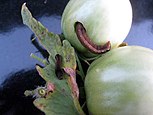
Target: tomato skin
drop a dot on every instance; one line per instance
(104, 20)
(121, 82)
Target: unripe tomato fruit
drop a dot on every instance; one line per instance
(121, 82)
(104, 20)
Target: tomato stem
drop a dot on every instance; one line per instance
(80, 72)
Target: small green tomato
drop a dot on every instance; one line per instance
(121, 82)
(103, 21)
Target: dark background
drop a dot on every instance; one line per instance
(17, 71)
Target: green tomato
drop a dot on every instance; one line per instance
(121, 82)
(104, 20)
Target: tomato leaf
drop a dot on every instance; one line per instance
(58, 96)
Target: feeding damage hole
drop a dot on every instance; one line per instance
(58, 69)
(86, 41)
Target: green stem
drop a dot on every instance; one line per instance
(39, 59)
(80, 72)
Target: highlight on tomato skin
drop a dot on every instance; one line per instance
(120, 82)
(104, 20)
